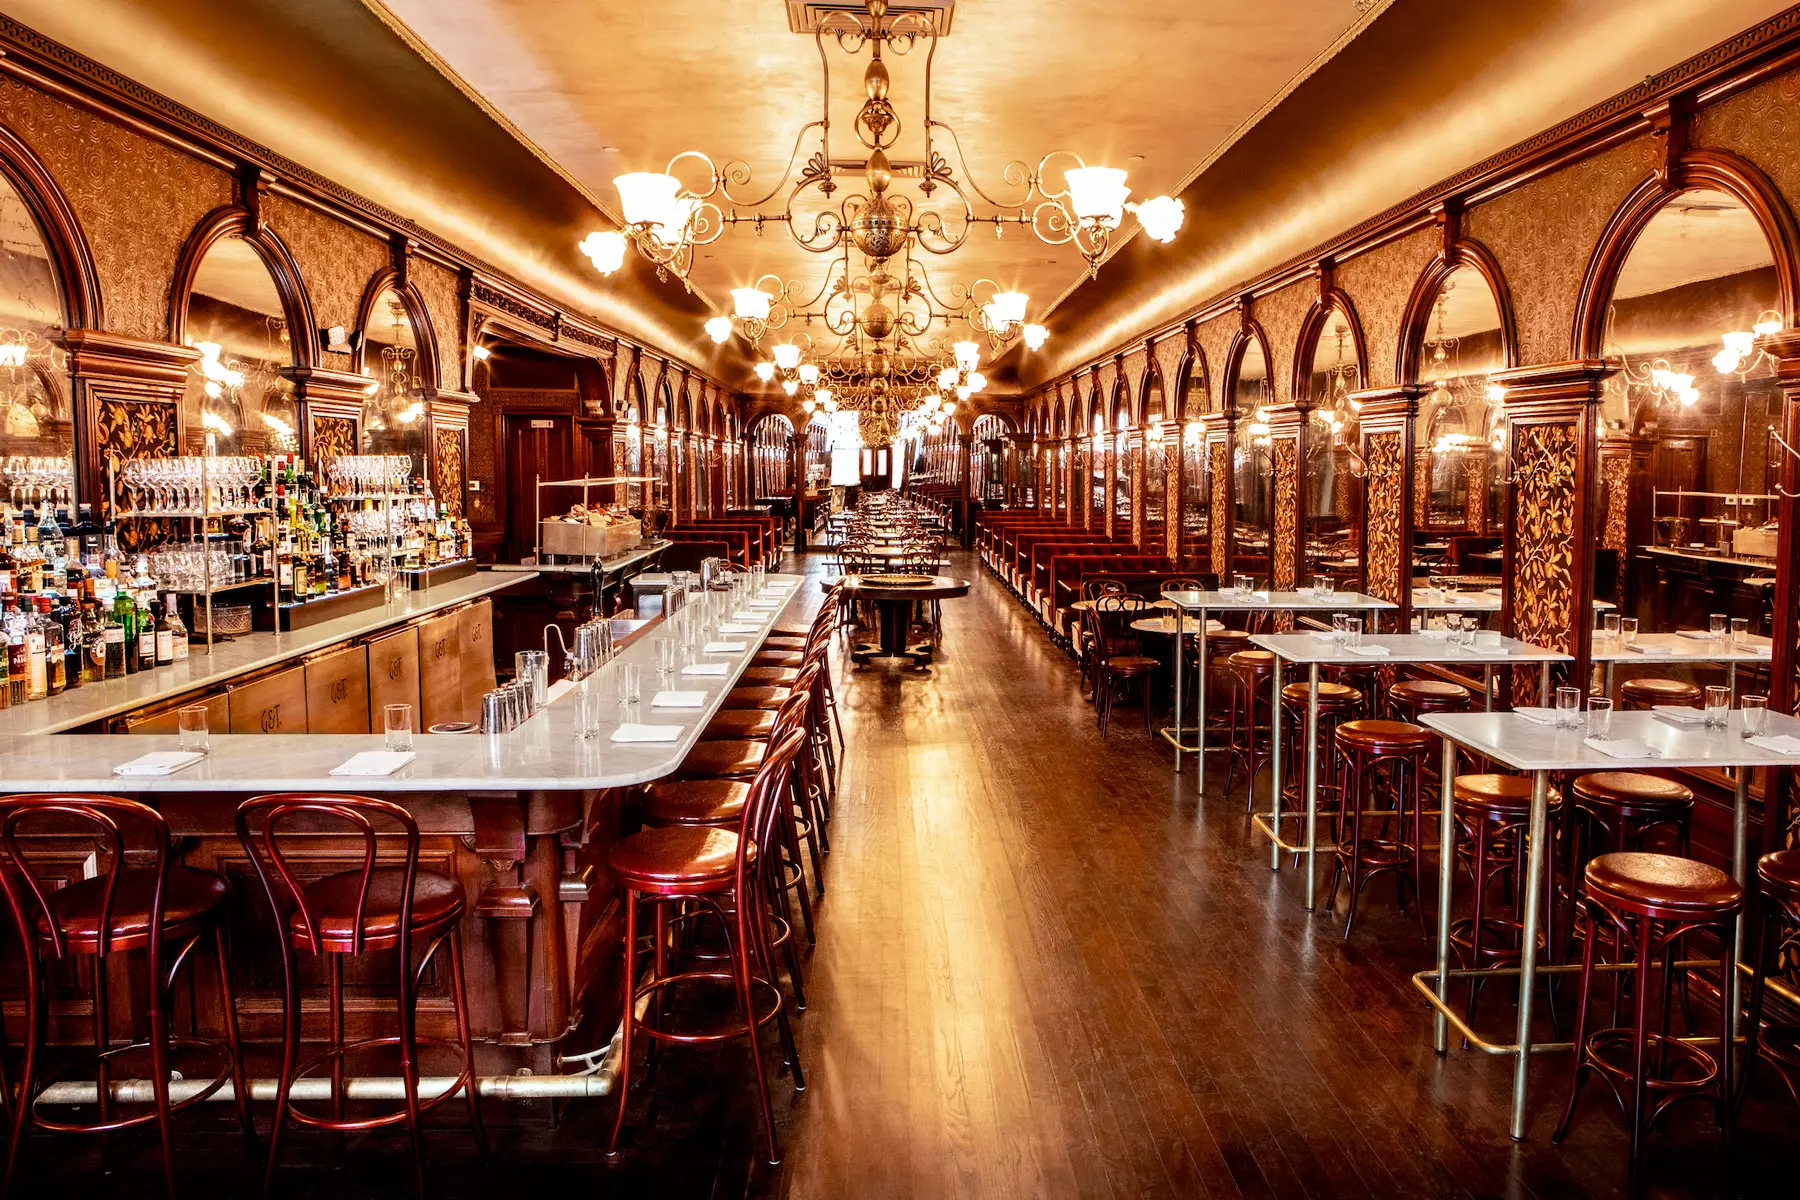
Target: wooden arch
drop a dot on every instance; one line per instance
(1248, 332)
(1193, 360)
(1463, 252)
(1313, 328)
(417, 312)
(71, 259)
(236, 221)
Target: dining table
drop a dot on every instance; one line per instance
(1691, 646)
(894, 597)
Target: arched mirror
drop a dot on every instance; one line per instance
(660, 419)
(1331, 484)
(990, 455)
(1689, 461)
(1459, 496)
(1124, 448)
(1196, 471)
(1156, 467)
(235, 402)
(393, 417)
(1099, 450)
(771, 459)
(37, 424)
(1253, 471)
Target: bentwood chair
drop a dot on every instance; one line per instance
(1115, 660)
(383, 904)
(136, 901)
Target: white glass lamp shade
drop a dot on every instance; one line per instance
(964, 392)
(809, 373)
(718, 328)
(649, 198)
(977, 381)
(765, 371)
(1035, 336)
(1161, 217)
(808, 404)
(947, 377)
(787, 356)
(790, 386)
(750, 304)
(1097, 194)
(968, 355)
(949, 408)
(823, 396)
(1006, 309)
(673, 229)
(605, 249)
(933, 402)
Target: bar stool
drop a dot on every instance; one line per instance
(144, 904)
(1337, 703)
(1251, 671)
(1628, 807)
(392, 905)
(1411, 699)
(1492, 812)
(1644, 693)
(1778, 927)
(1363, 748)
(719, 869)
(1650, 902)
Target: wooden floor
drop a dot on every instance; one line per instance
(1046, 969)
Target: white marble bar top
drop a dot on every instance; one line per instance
(543, 754)
(1403, 648)
(1303, 600)
(607, 566)
(1528, 746)
(252, 652)
(1483, 601)
(1672, 647)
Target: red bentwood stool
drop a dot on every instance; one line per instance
(390, 905)
(146, 904)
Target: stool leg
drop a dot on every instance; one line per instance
(102, 1066)
(1727, 972)
(1479, 861)
(631, 936)
(409, 1063)
(463, 1035)
(1753, 1023)
(290, 1055)
(337, 1060)
(159, 1065)
(1640, 1065)
(240, 1086)
(741, 954)
(34, 1034)
(1581, 1024)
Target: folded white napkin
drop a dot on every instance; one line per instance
(1699, 635)
(724, 648)
(1368, 650)
(678, 700)
(1679, 714)
(647, 733)
(735, 628)
(1761, 651)
(1780, 743)
(1324, 635)
(1437, 635)
(159, 762)
(1536, 715)
(1621, 748)
(764, 605)
(705, 669)
(753, 619)
(1642, 648)
(374, 762)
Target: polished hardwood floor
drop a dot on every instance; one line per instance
(1046, 968)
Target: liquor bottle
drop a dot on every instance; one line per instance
(146, 632)
(8, 568)
(93, 646)
(74, 644)
(125, 615)
(54, 657)
(112, 639)
(37, 680)
(300, 586)
(18, 662)
(165, 635)
(178, 634)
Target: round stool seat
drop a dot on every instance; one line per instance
(695, 802)
(756, 697)
(1652, 690)
(1498, 795)
(754, 724)
(1383, 737)
(771, 676)
(189, 895)
(1632, 792)
(1779, 874)
(1429, 695)
(1662, 885)
(783, 631)
(776, 642)
(723, 759)
(674, 859)
(778, 658)
(335, 900)
(1129, 664)
(1254, 662)
(1333, 697)
(1226, 642)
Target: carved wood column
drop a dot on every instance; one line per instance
(447, 431)
(1287, 433)
(1174, 451)
(1387, 427)
(125, 394)
(1218, 434)
(1138, 453)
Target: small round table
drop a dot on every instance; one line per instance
(893, 603)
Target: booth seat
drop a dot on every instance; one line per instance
(1070, 569)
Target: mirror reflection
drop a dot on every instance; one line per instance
(1196, 476)
(37, 428)
(235, 402)
(1331, 491)
(1156, 479)
(1253, 482)
(394, 420)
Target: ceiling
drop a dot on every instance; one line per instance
(601, 87)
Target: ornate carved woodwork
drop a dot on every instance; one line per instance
(1384, 569)
(332, 437)
(1286, 548)
(1219, 452)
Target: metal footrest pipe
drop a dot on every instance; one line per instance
(371, 1087)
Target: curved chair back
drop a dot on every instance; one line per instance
(1113, 616)
(108, 818)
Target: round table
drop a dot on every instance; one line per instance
(1165, 626)
(1088, 605)
(893, 604)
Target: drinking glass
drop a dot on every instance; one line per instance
(1568, 707)
(1353, 632)
(1453, 623)
(667, 654)
(1628, 629)
(1448, 586)
(1740, 633)
(533, 668)
(588, 703)
(626, 684)
(1756, 715)
(1338, 626)
(191, 721)
(396, 722)
(1599, 718)
(1718, 706)
(1716, 624)
(1327, 585)
(1610, 625)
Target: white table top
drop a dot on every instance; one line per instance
(1403, 648)
(1676, 648)
(1482, 600)
(1527, 746)
(1296, 601)
(543, 754)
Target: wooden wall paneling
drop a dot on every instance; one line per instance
(125, 393)
(476, 630)
(218, 716)
(394, 674)
(337, 691)
(1387, 451)
(440, 670)
(272, 704)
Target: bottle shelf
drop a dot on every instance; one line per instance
(133, 514)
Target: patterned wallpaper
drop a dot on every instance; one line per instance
(1615, 491)
(449, 476)
(1168, 353)
(137, 201)
(439, 288)
(1763, 125)
(1379, 283)
(335, 260)
(1287, 510)
(1544, 458)
(332, 437)
(1386, 483)
(130, 429)
(1136, 362)
(1214, 338)
(1281, 314)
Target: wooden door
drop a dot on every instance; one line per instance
(537, 447)
(1680, 464)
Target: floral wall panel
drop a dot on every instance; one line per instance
(1287, 511)
(1386, 484)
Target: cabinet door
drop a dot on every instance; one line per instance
(440, 669)
(218, 717)
(477, 655)
(337, 692)
(273, 704)
(394, 674)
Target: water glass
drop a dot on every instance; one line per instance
(1628, 629)
(1326, 585)
(1599, 718)
(396, 723)
(626, 685)
(533, 667)
(1740, 633)
(1716, 624)
(1756, 715)
(1718, 706)
(1243, 583)
(1568, 707)
(588, 703)
(1352, 632)
(1339, 626)
(191, 721)
(667, 654)
(1447, 585)
(1610, 624)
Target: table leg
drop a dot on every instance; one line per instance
(1179, 647)
(1275, 767)
(1544, 685)
(1731, 680)
(1446, 879)
(1740, 871)
(1528, 934)
(1609, 680)
(1312, 782)
(1199, 709)
(1487, 686)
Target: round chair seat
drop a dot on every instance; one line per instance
(1659, 885)
(1333, 697)
(333, 902)
(1429, 695)
(1632, 792)
(1779, 874)
(755, 724)
(781, 631)
(188, 896)
(1651, 690)
(674, 859)
(778, 658)
(1498, 795)
(1131, 664)
(695, 802)
(723, 759)
(1383, 737)
(776, 641)
(771, 676)
(756, 697)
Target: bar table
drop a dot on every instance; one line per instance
(1681, 648)
(1525, 745)
(1319, 649)
(1234, 600)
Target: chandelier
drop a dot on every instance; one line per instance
(1455, 403)
(665, 216)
